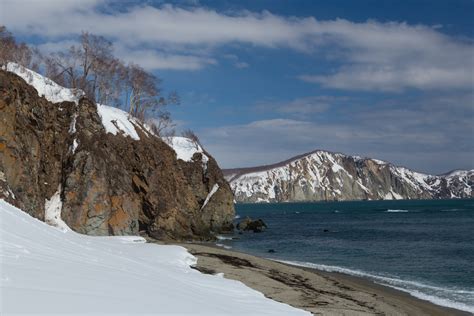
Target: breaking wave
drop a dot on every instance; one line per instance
(461, 299)
(219, 237)
(397, 211)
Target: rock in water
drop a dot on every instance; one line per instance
(113, 176)
(248, 224)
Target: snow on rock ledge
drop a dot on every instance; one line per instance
(185, 149)
(117, 121)
(46, 87)
(52, 211)
(47, 271)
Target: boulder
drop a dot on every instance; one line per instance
(248, 224)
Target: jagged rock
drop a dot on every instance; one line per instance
(248, 224)
(326, 176)
(109, 184)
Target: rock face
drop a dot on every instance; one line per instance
(114, 176)
(326, 176)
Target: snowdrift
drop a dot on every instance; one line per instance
(48, 270)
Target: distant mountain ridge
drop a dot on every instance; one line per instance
(327, 176)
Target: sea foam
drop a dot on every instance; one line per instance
(417, 289)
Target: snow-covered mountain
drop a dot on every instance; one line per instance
(327, 176)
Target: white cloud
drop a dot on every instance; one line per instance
(372, 55)
(152, 59)
(299, 107)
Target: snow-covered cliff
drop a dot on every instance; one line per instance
(107, 172)
(327, 176)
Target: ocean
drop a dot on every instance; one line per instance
(423, 247)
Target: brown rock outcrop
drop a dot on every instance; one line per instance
(110, 184)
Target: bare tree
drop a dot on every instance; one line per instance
(12, 51)
(63, 68)
(86, 66)
(91, 66)
(163, 125)
(192, 136)
(144, 92)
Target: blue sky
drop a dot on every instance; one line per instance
(261, 81)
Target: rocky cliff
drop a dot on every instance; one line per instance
(326, 176)
(64, 158)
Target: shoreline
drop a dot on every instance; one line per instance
(316, 291)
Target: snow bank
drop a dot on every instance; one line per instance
(117, 121)
(45, 270)
(46, 87)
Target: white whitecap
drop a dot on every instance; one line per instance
(219, 237)
(224, 246)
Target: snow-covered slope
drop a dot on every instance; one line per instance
(46, 87)
(45, 270)
(117, 121)
(114, 120)
(323, 175)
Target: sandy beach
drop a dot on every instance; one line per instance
(319, 292)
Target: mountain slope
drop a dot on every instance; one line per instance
(107, 172)
(327, 176)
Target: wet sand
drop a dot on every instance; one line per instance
(319, 292)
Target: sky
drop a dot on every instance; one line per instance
(262, 81)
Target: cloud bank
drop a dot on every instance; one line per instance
(371, 56)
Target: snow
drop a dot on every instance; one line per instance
(52, 211)
(392, 196)
(46, 87)
(211, 193)
(74, 145)
(185, 149)
(116, 121)
(336, 168)
(47, 271)
(72, 131)
(458, 173)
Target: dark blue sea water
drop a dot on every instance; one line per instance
(423, 247)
